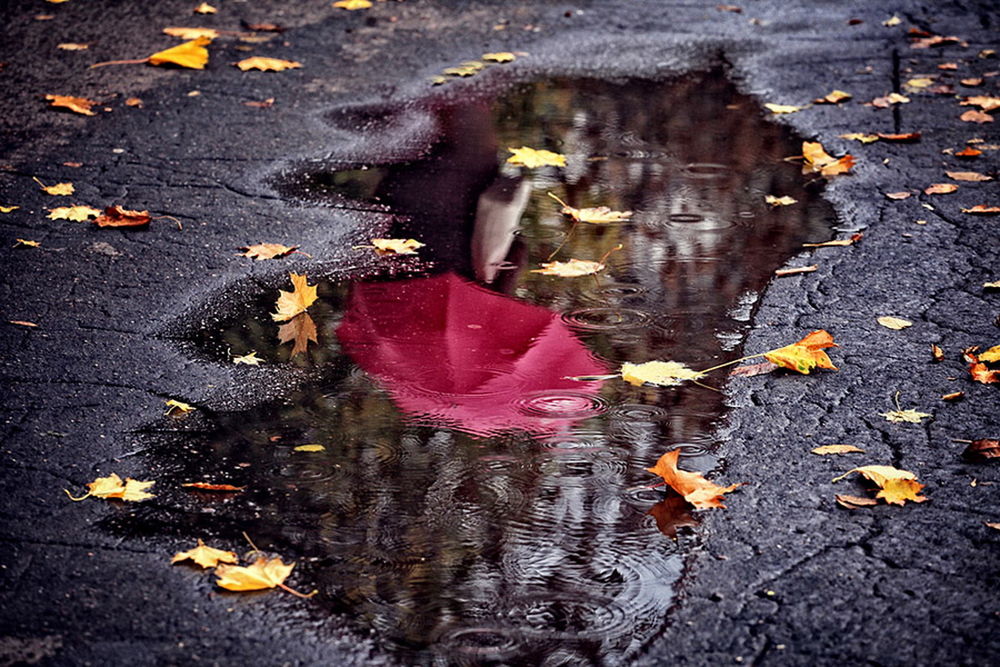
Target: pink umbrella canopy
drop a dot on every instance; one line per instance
(451, 352)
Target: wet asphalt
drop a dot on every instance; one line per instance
(783, 576)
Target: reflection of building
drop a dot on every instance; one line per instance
(519, 547)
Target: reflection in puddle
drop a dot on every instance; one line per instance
(471, 503)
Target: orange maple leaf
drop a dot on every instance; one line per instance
(805, 354)
(817, 160)
(695, 489)
(116, 216)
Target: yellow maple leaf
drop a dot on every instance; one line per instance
(901, 415)
(263, 573)
(661, 373)
(898, 491)
(532, 158)
(301, 329)
(771, 200)
(878, 474)
(896, 323)
(297, 301)
(573, 268)
(250, 359)
(80, 105)
(599, 215)
(806, 354)
(205, 8)
(75, 213)
(396, 246)
(918, 83)
(267, 64)
(59, 189)
(782, 108)
(8, 209)
(192, 55)
(695, 489)
(192, 33)
(262, 251)
(817, 160)
(833, 97)
(309, 448)
(176, 408)
(352, 5)
(113, 487)
(499, 57)
(990, 355)
(461, 71)
(826, 450)
(205, 556)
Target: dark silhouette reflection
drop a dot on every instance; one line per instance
(471, 504)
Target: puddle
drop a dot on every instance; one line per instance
(471, 504)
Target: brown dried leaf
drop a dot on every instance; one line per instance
(937, 40)
(753, 369)
(301, 329)
(982, 209)
(903, 138)
(953, 396)
(982, 451)
(206, 486)
(984, 102)
(116, 216)
(826, 450)
(940, 189)
(968, 151)
(973, 116)
(854, 238)
(897, 195)
(968, 176)
(854, 502)
(80, 105)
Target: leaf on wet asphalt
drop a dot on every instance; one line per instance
(771, 200)
(57, 190)
(533, 158)
(854, 502)
(301, 330)
(396, 246)
(863, 138)
(22, 323)
(854, 238)
(263, 573)
(8, 209)
(751, 370)
(896, 323)
(899, 137)
(896, 486)
(833, 97)
(573, 268)
(250, 359)
(695, 489)
(886, 101)
(352, 5)
(826, 450)
(796, 270)
(940, 189)
(982, 209)
(967, 152)
(207, 486)
(953, 396)
(817, 160)
(267, 64)
(262, 251)
(982, 451)
(968, 176)
(978, 369)
(72, 46)
(984, 102)
(113, 487)
(805, 354)
(975, 116)
(897, 195)
(498, 57)
(192, 33)
(783, 108)
(192, 55)
(177, 408)
(892, 21)
(80, 105)
(205, 8)
(25, 243)
(991, 355)
(74, 213)
(937, 40)
(205, 556)
(671, 513)
(297, 301)
(937, 354)
(660, 373)
(910, 416)
(116, 216)
(919, 83)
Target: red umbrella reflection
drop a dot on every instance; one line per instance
(449, 351)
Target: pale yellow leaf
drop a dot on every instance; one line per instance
(826, 450)
(205, 556)
(396, 246)
(8, 209)
(74, 213)
(662, 373)
(192, 55)
(910, 416)
(205, 8)
(896, 323)
(771, 200)
(532, 158)
(572, 268)
(352, 5)
(857, 136)
(175, 407)
(263, 573)
(499, 57)
(991, 355)
(968, 176)
(250, 359)
(192, 33)
(267, 64)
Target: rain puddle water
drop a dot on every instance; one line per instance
(471, 504)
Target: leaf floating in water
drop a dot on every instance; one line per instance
(695, 489)
(205, 556)
(396, 246)
(297, 301)
(533, 158)
(771, 200)
(660, 373)
(301, 330)
(573, 268)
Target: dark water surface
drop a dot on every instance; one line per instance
(471, 503)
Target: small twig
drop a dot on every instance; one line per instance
(294, 592)
(170, 217)
(250, 542)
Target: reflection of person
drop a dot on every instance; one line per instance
(498, 214)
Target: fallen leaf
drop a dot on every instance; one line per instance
(309, 448)
(205, 556)
(863, 138)
(297, 301)
(890, 22)
(973, 116)
(940, 189)
(994, 526)
(498, 57)
(982, 451)
(953, 396)
(972, 82)
(192, 55)
(461, 71)
(796, 270)
(805, 354)
(980, 209)
(991, 355)
(22, 323)
(267, 64)
(573, 268)
(262, 251)
(671, 513)
(301, 329)
(897, 195)
(57, 190)
(968, 176)
(264, 573)
(896, 323)
(937, 353)
(192, 33)
(26, 243)
(116, 216)
(8, 209)
(532, 158)
(72, 46)
(877, 474)
(937, 40)
(898, 491)
(948, 66)
(396, 246)
(982, 373)
(263, 27)
(984, 102)
(205, 8)
(250, 359)
(854, 502)
(771, 200)
(661, 373)
(133, 102)
(968, 151)
(263, 104)
(112, 486)
(818, 161)
(74, 213)
(826, 450)
(854, 238)
(695, 489)
(900, 138)
(782, 108)
(352, 5)
(992, 285)
(206, 486)
(886, 101)
(176, 408)
(918, 83)
(730, 8)
(911, 416)
(833, 97)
